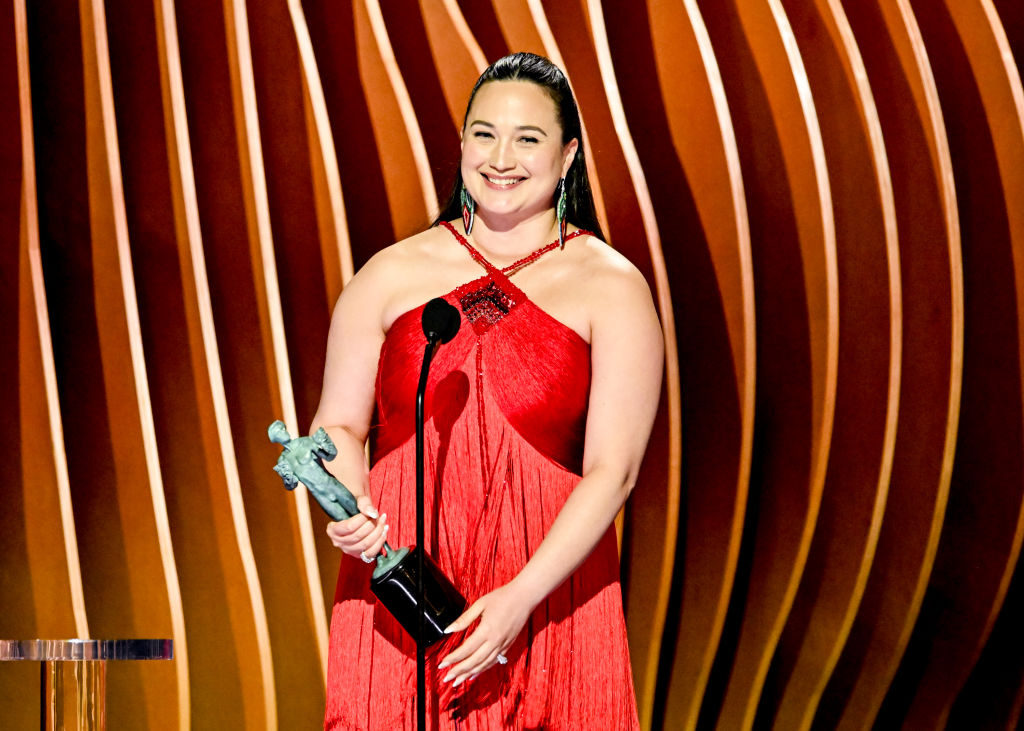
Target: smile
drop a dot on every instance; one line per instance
(502, 182)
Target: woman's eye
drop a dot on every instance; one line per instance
(528, 140)
(482, 135)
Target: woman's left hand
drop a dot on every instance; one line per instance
(502, 615)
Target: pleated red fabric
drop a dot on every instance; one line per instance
(506, 407)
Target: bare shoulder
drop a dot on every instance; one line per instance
(406, 274)
(627, 340)
(407, 254)
(608, 275)
(390, 268)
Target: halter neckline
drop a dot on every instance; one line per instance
(516, 265)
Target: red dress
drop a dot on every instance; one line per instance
(506, 407)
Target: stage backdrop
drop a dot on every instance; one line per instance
(826, 196)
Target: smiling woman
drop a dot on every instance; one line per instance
(508, 167)
(538, 415)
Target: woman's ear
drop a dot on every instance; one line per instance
(569, 154)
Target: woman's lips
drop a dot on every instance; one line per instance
(501, 182)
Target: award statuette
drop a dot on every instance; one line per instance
(394, 576)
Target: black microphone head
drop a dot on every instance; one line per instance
(440, 320)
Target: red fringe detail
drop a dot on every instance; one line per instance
(504, 446)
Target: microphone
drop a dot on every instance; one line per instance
(441, 321)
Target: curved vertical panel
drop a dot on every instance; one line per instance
(202, 327)
(406, 36)
(268, 295)
(335, 49)
(278, 105)
(129, 576)
(1011, 17)
(907, 103)
(333, 226)
(400, 143)
(291, 197)
(460, 62)
(867, 391)
(16, 300)
(58, 602)
(335, 245)
(793, 243)
(235, 227)
(483, 23)
(675, 104)
(983, 103)
(120, 336)
(230, 669)
(40, 577)
(518, 27)
(932, 338)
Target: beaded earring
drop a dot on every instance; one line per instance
(560, 213)
(468, 209)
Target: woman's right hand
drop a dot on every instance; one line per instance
(362, 535)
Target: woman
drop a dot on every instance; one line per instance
(538, 417)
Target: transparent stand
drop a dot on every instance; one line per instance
(73, 675)
(75, 694)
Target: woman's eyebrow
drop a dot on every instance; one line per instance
(520, 128)
(531, 128)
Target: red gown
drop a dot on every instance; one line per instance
(506, 407)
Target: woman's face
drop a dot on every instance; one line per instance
(512, 151)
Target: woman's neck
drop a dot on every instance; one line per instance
(499, 240)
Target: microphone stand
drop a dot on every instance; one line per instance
(421, 656)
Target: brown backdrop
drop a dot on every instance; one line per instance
(826, 196)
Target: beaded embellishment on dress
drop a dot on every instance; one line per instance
(486, 305)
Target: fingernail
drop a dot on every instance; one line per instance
(450, 628)
(371, 512)
(386, 529)
(448, 677)
(457, 683)
(443, 664)
(472, 676)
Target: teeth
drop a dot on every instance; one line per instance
(503, 181)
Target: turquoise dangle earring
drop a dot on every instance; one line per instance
(560, 213)
(468, 209)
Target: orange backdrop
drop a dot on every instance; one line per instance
(826, 196)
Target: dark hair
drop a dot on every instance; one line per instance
(579, 200)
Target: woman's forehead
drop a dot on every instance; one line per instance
(513, 99)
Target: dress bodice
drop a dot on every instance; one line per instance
(534, 368)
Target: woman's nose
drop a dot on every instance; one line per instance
(502, 158)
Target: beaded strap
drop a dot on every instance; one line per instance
(517, 265)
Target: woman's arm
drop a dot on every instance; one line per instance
(346, 403)
(627, 355)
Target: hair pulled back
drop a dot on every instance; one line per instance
(579, 200)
